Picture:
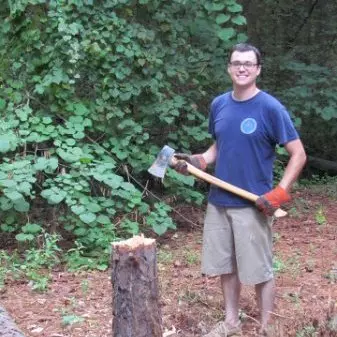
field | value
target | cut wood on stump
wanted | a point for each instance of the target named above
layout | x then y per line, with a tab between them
7	326
136	310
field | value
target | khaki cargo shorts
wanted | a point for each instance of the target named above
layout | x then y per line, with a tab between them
237	239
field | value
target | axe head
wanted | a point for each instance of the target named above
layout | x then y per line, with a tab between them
160	165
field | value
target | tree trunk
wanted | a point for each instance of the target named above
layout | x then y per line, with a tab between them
7	325
136	311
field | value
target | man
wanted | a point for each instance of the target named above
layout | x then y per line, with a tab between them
246	125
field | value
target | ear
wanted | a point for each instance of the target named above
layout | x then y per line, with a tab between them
259	70
228	69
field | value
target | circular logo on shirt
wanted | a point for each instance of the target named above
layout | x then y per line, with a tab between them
248	126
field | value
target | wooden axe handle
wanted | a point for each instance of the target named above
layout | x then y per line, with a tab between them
279	213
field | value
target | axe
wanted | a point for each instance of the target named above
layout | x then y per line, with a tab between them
166	158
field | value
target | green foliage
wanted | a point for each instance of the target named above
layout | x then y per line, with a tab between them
90	92
299	65
36	263
70	319
307	331
320	216
76	259
278	265
311	96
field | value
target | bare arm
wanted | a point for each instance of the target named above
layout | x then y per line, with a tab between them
210	154
295	165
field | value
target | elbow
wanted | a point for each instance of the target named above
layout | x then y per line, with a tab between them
303	158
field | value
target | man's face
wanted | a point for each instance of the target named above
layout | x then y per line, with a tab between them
243	68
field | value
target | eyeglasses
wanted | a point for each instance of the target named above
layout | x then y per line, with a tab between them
246	65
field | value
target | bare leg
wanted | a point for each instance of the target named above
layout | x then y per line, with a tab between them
265	295
231	288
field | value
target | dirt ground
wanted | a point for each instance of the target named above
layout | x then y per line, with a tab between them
305	247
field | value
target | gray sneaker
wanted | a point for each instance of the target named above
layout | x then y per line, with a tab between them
222	329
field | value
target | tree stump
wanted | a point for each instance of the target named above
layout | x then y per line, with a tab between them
7	326
136	311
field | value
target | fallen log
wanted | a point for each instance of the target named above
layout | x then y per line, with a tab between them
136	310
323	164
7	326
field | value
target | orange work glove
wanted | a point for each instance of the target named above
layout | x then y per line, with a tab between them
197	160
271	201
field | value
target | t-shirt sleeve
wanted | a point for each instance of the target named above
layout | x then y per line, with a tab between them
211	121
212	114
282	128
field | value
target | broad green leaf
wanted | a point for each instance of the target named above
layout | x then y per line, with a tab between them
25	187
235	8
4	145
213	7
88	217
13	195
103	219
56	198
24	237
239	20
80	231
80	109
78	209
53	163
6	204
241	37
226	34
8	228
31	228
159	228
222	18
41	164
8	183
128	186
47	120
2	104
93	207
71	141
23	113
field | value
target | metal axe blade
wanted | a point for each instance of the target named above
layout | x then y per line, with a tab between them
160	165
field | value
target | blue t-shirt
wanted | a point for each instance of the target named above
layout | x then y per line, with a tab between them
246	133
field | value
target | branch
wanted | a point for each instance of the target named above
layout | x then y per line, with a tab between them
307	17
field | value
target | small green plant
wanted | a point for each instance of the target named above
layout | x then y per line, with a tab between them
76	259
320	216
191	257
35	264
295	298
293	212
165	257
332	324
332	275
310	265
70	319
278	265
312	248
159	218
276	237
190	296
293	264
307	331
28	232
85	287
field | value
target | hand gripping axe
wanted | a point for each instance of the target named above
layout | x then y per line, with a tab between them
166	158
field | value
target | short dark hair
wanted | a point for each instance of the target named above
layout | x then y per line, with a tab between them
242	47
